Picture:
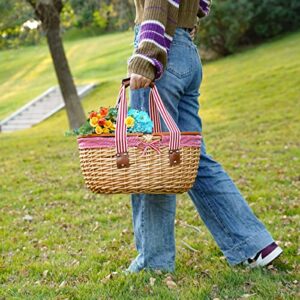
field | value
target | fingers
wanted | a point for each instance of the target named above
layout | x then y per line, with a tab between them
138	81
133	82
193	32
147	82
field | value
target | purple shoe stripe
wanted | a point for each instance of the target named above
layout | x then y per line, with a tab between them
269	249
264	252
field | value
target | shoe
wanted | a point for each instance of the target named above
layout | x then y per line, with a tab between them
264	257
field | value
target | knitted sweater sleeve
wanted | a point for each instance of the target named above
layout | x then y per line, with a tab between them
204	8
150	57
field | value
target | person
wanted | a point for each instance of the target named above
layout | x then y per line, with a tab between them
164	53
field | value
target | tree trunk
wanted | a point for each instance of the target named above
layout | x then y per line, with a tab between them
48	11
73	105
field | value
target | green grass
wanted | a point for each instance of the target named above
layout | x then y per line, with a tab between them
250	110
27	72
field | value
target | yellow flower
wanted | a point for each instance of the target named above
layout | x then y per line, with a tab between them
98	130
105	130
129	121
108	124
99	116
94	121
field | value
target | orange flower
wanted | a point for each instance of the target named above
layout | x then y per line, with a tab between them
101	122
103	111
92	114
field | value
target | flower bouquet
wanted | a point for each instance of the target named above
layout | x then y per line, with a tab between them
104	120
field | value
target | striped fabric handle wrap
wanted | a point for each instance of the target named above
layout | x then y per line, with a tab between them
154	115
170	123
119	97
121	131
156	106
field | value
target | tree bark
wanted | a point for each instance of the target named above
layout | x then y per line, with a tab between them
48	11
75	112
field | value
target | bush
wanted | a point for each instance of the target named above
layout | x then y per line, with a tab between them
273	17
227	24
235	23
15	37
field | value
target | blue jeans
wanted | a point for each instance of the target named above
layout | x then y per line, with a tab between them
235	228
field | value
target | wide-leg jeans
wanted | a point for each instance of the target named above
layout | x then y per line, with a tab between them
230	220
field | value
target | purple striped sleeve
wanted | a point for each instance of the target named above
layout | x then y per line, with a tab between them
155	62
168	43
152	31
153	36
159	68
204	5
152	27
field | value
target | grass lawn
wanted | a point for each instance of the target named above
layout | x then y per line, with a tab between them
60	241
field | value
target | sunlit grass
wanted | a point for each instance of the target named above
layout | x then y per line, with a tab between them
250	110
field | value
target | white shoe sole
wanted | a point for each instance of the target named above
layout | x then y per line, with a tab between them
265	261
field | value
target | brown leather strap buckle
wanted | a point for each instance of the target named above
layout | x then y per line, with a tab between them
174	157
122	160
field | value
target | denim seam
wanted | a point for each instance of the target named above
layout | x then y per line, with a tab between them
247	240
195	65
177	74
143	230
167	266
218	220
242	257
173	70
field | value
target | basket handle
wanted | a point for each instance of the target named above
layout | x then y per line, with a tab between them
156	106
154	115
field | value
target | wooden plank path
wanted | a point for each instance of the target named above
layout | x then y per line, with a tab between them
39	109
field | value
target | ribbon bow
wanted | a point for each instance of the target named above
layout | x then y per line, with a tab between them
146	145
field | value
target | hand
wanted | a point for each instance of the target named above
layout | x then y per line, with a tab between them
193	32
138	81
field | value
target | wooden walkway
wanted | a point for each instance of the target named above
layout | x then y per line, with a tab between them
39	109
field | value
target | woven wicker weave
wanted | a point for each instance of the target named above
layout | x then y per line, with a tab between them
150	173
161	163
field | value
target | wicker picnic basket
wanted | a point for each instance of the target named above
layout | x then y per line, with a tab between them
124	163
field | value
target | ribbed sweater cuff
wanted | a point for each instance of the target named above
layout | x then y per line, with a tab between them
142	67
200	13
